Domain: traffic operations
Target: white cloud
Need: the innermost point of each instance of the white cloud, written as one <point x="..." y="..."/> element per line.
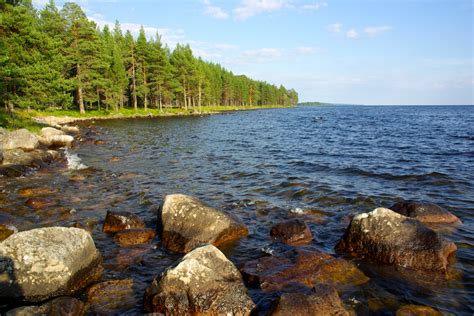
<point x="314" y="6"/>
<point x="249" y="8"/>
<point x="306" y="50"/>
<point x="263" y="54"/>
<point x="214" y="11"/>
<point x="225" y="46"/>
<point x="168" y="35"/>
<point x="40" y="3"/>
<point x="373" y="31"/>
<point x="335" y="28"/>
<point x="352" y="34"/>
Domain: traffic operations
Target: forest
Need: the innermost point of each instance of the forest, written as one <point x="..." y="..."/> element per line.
<point x="57" y="59"/>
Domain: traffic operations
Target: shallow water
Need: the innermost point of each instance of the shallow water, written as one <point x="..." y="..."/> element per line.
<point x="320" y="164"/>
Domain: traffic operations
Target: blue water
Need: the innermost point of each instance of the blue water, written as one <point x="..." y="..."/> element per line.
<point x="321" y="164"/>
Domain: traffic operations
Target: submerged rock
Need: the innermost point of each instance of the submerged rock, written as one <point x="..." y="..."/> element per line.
<point x="292" y="232"/>
<point x="46" y="262"/>
<point x="186" y="223"/>
<point x="389" y="237"/>
<point x="20" y="139"/>
<point x="427" y="213"/>
<point x="134" y="236"/>
<point x="61" y="306"/>
<point x="38" y="203"/>
<point x="203" y="282"/>
<point x="117" y="221"/>
<point x="111" y="297"/>
<point x="323" y="301"/>
<point x="35" y="191"/>
<point x="416" y="310"/>
<point x="303" y="268"/>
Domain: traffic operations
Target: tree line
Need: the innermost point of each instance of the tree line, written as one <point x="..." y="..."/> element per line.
<point x="58" y="59"/>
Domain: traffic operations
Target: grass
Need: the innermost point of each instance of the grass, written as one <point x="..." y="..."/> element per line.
<point x="12" y="121"/>
<point x="24" y="119"/>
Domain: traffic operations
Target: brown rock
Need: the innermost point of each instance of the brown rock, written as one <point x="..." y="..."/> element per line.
<point x="427" y="213"/>
<point x="389" y="237"/>
<point x="292" y="232"/>
<point x="301" y="267"/>
<point x="115" y="159"/>
<point x="203" y="282"/>
<point x="417" y="310"/>
<point x="30" y="191"/>
<point x="99" y="142"/>
<point x="129" y="256"/>
<point x="134" y="236"/>
<point x="111" y="297"/>
<point x="6" y="231"/>
<point x="117" y="221"/>
<point x="61" y="306"/>
<point x="323" y="301"/>
<point x="186" y="223"/>
<point x="39" y="202"/>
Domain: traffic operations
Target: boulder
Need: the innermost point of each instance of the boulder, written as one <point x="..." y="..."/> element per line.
<point x="417" y="310"/>
<point x="292" y="232"/>
<point x="117" y="221"/>
<point x="20" y="139"/>
<point x="388" y="237"/>
<point x="203" y="282"/>
<point x="134" y="236"/>
<point x="301" y="268"/>
<point x="47" y="262"/>
<point x="427" y="213"/>
<point x="61" y="306"/>
<point x="59" y="141"/>
<point x="111" y="297"/>
<point x="323" y="301"/>
<point x="185" y="223"/>
<point x="70" y="129"/>
<point x="50" y="131"/>
<point x="30" y="158"/>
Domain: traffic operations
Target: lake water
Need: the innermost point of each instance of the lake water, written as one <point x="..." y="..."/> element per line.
<point x="321" y="164"/>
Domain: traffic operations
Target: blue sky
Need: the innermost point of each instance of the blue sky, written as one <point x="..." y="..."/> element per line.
<point x="364" y="52"/>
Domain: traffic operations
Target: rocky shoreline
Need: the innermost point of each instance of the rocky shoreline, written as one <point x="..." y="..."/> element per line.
<point x="48" y="266"/>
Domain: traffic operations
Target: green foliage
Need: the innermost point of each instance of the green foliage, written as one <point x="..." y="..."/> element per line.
<point x="60" y="61"/>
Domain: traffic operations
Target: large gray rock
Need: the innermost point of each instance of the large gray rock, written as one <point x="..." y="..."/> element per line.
<point x="50" y="131"/>
<point x="47" y="262"/>
<point x="50" y="136"/>
<point x="28" y="158"/>
<point x="20" y="139"/>
<point x="186" y="223"/>
<point x="70" y="129"/>
<point x="204" y="282"/>
<point x="389" y="237"/>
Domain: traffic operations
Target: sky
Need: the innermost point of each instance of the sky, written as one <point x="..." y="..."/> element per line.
<point x="338" y="51"/>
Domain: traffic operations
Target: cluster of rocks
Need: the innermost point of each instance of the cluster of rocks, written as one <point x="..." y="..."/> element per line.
<point x="55" y="263"/>
<point x="21" y="149"/>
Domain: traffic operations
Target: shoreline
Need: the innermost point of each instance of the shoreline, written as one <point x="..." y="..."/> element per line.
<point x="60" y="119"/>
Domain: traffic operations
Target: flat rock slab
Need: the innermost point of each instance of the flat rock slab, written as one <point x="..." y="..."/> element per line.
<point x="388" y="237"/>
<point x="186" y="223"/>
<point x="111" y="297"/>
<point x="323" y="301"/>
<point x="292" y="232"/>
<point x="427" y="213"/>
<point x="417" y="310"/>
<point x="134" y="236"/>
<point x="203" y="282"/>
<point x="117" y="221"/>
<point x="47" y="262"/>
<point x="303" y="268"/>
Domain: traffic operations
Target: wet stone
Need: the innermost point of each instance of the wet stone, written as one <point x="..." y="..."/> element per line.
<point x="186" y="223"/>
<point x="61" y="306"/>
<point x="39" y="202"/>
<point x="117" y="221"/>
<point x="31" y="191"/>
<point x="111" y="297"/>
<point x="427" y="213"/>
<point x="292" y="232"/>
<point x="417" y="310"/>
<point x="391" y="238"/>
<point x="134" y="236"/>
<point x="323" y="300"/>
<point x="302" y="267"/>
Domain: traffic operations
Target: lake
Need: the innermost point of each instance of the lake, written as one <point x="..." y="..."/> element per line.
<point x="321" y="164"/>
